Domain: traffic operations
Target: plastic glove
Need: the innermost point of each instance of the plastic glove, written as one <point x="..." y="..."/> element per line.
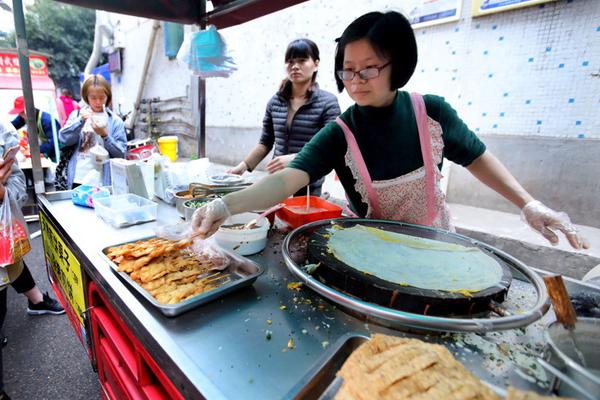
<point x="207" y="219"/>
<point x="546" y="220"/>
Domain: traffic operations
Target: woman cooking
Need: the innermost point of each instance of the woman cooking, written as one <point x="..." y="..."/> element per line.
<point x="294" y="114"/>
<point x="387" y="149"/>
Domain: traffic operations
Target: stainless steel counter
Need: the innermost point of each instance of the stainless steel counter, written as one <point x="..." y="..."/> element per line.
<point x="222" y="350"/>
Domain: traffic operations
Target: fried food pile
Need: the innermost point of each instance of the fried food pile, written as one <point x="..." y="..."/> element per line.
<point x="389" y="367"/>
<point x="168" y="269"/>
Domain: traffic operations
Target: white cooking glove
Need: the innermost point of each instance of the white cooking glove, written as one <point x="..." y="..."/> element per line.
<point x="546" y="221"/>
<point x="207" y="219"/>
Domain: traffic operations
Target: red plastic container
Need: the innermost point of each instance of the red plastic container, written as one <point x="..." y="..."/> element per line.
<point x="125" y="368"/>
<point x="294" y="213"/>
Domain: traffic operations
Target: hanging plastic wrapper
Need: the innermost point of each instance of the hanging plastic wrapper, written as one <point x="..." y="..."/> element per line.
<point x="14" y="238"/>
<point x="92" y="154"/>
<point x="205" y="53"/>
<point x="202" y="247"/>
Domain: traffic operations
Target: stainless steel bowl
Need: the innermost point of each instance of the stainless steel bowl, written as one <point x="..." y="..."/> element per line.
<point x="563" y="357"/>
<point x="191" y="205"/>
<point x="180" y="198"/>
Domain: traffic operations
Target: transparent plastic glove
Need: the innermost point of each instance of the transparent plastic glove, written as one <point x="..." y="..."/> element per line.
<point x="547" y="221"/>
<point x="207" y="219"/>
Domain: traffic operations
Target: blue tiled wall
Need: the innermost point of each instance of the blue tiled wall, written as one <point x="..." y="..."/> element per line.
<point x="532" y="71"/>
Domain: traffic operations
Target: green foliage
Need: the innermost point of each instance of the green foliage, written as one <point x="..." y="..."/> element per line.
<point x="65" y="32"/>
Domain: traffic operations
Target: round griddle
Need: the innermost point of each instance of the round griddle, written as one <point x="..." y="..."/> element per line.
<point x="408" y="307"/>
<point x="347" y="279"/>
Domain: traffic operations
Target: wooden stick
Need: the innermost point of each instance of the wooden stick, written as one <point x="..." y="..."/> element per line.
<point x="307" y="198"/>
<point x="565" y="313"/>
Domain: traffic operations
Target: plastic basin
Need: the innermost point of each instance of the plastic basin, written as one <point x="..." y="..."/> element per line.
<point x="243" y="241"/>
<point x="295" y="214"/>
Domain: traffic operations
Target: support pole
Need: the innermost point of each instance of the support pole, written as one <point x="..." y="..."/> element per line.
<point x="201" y="126"/>
<point x="36" y="164"/>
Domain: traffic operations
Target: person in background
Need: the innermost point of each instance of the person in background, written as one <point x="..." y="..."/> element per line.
<point x="95" y="124"/>
<point x="387" y="149"/>
<point x="294" y="114"/>
<point x="12" y="180"/>
<point x="38" y="303"/>
<point x="43" y="122"/>
<point x="69" y="104"/>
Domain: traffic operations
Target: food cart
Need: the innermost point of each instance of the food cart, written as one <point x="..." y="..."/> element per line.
<point x="285" y="336"/>
<point x="269" y="340"/>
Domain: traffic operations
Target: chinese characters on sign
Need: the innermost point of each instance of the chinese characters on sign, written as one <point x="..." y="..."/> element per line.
<point x="65" y="266"/>
<point x="9" y="64"/>
<point x="484" y="7"/>
<point x="423" y="13"/>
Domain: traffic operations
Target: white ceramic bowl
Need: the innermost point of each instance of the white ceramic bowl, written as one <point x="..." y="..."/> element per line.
<point x="243" y="242"/>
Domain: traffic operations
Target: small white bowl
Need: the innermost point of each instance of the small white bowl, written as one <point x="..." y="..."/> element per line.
<point x="243" y="241"/>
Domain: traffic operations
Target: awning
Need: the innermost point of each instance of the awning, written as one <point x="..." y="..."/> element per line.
<point x="226" y="13"/>
<point x="37" y="82"/>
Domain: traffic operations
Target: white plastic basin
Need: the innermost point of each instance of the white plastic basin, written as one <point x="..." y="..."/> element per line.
<point x="246" y="241"/>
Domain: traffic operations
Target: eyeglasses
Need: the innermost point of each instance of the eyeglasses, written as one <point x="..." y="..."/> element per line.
<point x="365" y="74"/>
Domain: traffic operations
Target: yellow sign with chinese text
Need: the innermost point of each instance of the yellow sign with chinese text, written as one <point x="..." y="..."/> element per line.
<point x="65" y="266"/>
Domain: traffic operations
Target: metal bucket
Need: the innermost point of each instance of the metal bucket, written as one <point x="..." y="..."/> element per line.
<point x="180" y="198"/>
<point x="561" y="354"/>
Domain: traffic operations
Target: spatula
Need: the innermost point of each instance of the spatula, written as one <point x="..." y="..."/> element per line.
<point x="252" y="223"/>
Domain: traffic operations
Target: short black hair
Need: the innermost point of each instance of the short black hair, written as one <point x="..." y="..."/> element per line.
<point x="299" y="48"/>
<point x="391" y="36"/>
<point x="302" y="48"/>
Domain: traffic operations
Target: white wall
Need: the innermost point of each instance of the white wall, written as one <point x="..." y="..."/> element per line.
<point x="523" y="72"/>
<point x="166" y="78"/>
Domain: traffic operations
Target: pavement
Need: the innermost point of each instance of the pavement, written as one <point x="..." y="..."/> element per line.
<point x="44" y="358"/>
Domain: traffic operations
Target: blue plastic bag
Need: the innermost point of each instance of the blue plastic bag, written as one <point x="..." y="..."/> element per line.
<point x="84" y="195"/>
<point x="205" y="53"/>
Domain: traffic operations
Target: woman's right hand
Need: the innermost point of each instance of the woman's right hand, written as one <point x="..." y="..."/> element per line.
<point x="5" y="170"/>
<point x="86" y="113"/>
<point x="208" y="218"/>
<point x="238" y="169"/>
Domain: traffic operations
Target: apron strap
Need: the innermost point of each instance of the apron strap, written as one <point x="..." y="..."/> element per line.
<point x="362" y="168"/>
<point x="425" y="139"/>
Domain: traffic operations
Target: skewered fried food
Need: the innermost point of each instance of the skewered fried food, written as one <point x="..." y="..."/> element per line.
<point x="388" y="367"/>
<point x="167" y="269"/>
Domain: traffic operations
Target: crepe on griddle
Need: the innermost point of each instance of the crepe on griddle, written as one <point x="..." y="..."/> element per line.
<point x="412" y="261"/>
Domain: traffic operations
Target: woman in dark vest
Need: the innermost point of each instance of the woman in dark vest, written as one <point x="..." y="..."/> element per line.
<point x="294" y="114"/>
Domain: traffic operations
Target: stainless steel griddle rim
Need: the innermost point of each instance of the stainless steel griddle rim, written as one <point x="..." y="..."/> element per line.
<point x="173" y="310"/>
<point x="398" y="318"/>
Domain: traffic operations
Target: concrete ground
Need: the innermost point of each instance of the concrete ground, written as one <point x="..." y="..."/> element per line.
<point x="44" y="358"/>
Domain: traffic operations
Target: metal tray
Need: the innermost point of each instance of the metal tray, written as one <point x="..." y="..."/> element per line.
<point x="295" y="259"/>
<point x="322" y="383"/>
<point x="243" y="273"/>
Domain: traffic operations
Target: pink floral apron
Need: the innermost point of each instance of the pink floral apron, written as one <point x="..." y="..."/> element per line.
<point x="415" y="197"/>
